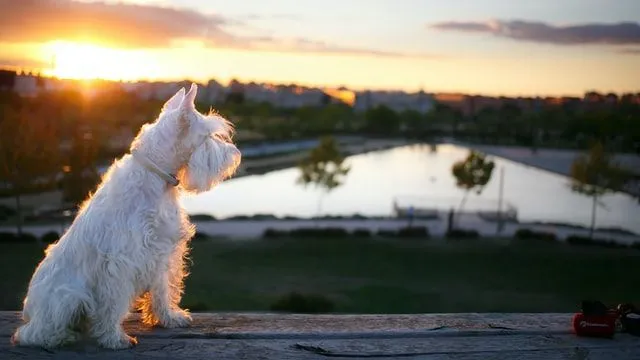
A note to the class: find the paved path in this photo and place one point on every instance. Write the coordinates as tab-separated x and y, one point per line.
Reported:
278	336
251	229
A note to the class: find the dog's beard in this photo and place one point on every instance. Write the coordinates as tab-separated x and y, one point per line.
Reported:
211	162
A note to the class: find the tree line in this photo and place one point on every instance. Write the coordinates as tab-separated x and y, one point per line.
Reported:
55	140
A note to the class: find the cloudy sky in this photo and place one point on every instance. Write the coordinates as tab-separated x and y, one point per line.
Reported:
511	47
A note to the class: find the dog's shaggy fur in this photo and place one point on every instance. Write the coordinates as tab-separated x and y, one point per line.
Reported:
128	244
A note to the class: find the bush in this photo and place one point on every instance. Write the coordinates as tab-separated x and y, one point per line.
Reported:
361	233
50	237
460	234
586	241
7	237
274	233
387	233
528	234
413	232
319	232
27	238
301	303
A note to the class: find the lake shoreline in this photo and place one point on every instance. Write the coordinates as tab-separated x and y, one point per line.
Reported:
242	228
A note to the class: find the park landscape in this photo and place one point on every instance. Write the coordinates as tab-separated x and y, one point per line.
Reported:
449	179
394	264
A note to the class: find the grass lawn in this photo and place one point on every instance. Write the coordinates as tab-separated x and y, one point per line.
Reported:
384	276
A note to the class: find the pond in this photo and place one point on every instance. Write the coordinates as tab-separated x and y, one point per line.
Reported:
414	174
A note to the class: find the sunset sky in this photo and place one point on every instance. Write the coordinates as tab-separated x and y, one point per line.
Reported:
494	47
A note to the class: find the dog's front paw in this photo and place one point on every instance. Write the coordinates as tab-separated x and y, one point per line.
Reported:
176	319
123	341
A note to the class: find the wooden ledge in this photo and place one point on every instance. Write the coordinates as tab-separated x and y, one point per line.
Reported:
285	336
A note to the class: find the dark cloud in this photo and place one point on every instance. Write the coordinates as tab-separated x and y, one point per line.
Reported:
127	25
623	33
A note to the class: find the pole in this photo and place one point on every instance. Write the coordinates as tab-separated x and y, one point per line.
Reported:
500	195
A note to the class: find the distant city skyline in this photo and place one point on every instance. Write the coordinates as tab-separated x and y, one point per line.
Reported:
492	47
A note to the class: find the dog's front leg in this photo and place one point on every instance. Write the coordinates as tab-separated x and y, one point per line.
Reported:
167	313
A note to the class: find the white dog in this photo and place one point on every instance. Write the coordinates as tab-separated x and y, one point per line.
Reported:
129	241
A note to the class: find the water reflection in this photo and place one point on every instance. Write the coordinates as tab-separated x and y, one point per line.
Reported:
417	172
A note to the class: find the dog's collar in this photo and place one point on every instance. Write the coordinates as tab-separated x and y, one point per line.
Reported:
151	166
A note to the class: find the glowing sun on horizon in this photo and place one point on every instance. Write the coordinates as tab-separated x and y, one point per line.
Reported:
71	60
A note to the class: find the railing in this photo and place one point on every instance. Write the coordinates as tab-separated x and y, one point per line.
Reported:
425	205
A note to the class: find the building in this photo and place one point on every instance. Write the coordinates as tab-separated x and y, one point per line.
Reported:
26	85
398	101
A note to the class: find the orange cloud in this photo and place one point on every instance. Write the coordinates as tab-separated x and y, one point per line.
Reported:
118	25
126	25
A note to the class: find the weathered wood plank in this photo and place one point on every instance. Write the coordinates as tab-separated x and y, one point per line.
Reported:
283	336
221	324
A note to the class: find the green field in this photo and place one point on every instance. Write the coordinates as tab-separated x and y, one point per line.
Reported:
384	276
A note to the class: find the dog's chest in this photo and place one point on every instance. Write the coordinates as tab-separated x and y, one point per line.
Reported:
169	219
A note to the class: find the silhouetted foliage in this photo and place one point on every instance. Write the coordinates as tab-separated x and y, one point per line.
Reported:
595	174
29	154
50	237
528	234
324	167
472	174
80	172
381	120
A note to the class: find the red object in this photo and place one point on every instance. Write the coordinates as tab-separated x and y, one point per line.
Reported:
595	325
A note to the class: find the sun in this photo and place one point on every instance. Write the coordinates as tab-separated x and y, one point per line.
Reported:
72	60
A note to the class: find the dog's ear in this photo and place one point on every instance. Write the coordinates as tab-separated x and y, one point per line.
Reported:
175	101
190	98
186	107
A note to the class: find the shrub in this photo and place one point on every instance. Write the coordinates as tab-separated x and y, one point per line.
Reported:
274	233
586	241
7	237
319	232
413	232
387	233
460	234
528	234
27	238
303	303
361	233
50	237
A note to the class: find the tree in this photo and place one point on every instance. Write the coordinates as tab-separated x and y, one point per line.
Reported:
382	120
594	174
324	168
80	172
472	173
29	149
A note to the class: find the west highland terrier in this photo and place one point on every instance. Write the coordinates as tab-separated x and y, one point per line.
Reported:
128	244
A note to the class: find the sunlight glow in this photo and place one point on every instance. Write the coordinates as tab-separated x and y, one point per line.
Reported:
71	60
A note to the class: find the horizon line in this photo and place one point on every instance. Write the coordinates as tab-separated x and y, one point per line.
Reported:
41	72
